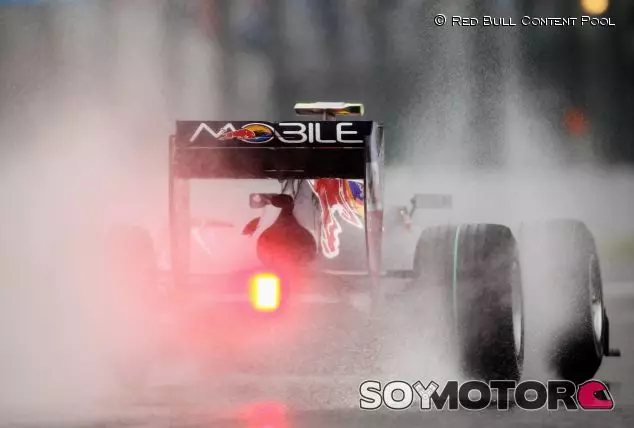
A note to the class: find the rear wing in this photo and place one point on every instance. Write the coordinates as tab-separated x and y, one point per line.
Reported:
283	150
279	150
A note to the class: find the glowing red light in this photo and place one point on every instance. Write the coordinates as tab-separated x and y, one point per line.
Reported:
265	292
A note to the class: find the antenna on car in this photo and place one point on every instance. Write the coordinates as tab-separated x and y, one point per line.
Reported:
329	110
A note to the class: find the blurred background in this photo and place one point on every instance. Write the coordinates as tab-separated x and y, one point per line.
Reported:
237	59
517	122
96	85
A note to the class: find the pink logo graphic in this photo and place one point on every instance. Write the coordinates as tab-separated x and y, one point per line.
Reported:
594	395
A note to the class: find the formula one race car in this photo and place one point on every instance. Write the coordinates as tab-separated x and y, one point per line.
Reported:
330	172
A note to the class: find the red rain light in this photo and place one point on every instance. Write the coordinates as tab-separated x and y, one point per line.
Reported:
265	292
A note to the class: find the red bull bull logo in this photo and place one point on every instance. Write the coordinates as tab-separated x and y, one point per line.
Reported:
339	200
255	133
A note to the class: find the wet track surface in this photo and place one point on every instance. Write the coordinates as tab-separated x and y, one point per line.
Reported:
286	402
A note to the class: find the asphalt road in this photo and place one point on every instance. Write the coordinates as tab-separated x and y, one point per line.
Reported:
285	402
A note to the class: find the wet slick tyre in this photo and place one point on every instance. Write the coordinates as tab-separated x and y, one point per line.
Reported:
477	268
565	300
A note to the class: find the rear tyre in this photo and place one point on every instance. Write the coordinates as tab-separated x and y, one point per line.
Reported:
563	265
477	268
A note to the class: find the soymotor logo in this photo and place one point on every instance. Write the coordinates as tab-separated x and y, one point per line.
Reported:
478	395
